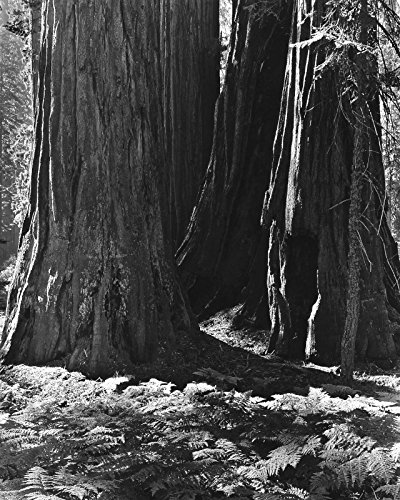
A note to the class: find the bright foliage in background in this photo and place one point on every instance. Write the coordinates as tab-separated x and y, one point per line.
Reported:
15	125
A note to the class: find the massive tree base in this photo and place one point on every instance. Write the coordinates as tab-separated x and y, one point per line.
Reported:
306	215
96	284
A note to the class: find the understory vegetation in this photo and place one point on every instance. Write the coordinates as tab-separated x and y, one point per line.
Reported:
242	426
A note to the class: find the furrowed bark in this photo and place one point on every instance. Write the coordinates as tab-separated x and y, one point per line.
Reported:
306	213
224	233
190	37
96	285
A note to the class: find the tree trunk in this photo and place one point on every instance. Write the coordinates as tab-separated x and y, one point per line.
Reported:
224	233
307	213
190	34
96	286
360	146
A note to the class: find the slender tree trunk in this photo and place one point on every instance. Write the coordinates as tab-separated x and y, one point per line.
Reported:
354	265
96	286
307	214
190	34
354	256
224	233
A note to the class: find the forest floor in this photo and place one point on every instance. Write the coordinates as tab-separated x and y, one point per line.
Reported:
218	419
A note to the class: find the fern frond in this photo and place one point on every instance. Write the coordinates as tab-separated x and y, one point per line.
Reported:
333	457
147	473
381	466
309	444
395	452
38	479
312	445
283	457
391	489
17	439
209	453
353	473
341	437
296	494
41	496
38	485
320	485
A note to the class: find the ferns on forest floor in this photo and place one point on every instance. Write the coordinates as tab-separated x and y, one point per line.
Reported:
73	439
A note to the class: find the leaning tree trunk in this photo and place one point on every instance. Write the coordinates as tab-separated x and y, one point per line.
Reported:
224	233
95	285
307	213
190	37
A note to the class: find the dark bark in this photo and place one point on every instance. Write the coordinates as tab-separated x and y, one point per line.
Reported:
354	266
360	145
96	286
224	233
190	34
307	214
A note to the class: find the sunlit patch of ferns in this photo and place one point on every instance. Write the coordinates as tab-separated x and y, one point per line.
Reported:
200	443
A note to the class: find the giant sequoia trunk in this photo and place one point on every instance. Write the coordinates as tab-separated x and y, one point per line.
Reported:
95	284
224	233
189	31
307	212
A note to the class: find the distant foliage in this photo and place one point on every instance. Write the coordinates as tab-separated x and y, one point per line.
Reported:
16	123
225	19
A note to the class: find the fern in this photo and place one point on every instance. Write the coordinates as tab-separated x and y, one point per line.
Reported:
283	457
291	493
201	442
381	466
353	473
395	452
390	489
320	485
341	437
38	485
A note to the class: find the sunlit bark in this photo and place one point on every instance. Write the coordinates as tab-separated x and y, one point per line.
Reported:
96	287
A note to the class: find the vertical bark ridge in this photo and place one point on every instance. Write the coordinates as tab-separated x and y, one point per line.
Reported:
224	232
190	37
306	212
96	285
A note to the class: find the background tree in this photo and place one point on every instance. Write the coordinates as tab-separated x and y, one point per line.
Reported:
190	35
95	284
307	207
224	233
